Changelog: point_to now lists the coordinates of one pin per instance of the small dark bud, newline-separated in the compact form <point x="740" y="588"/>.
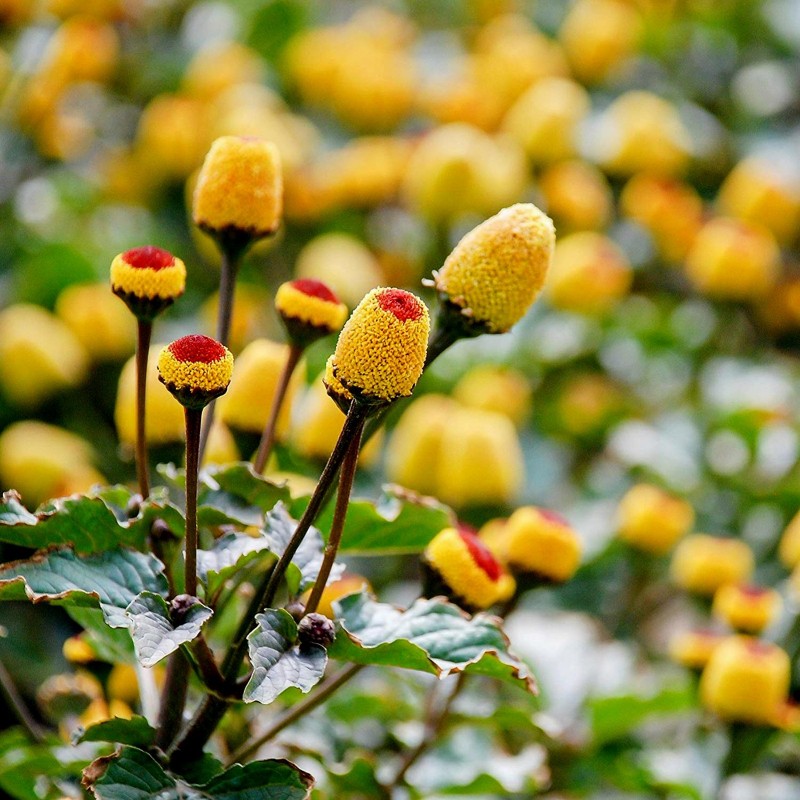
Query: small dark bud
<point x="179" y="607"/>
<point x="134" y="506"/>
<point x="160" y="531"/>
<point x="315" y="629"/>
<point x="297" y="610"/>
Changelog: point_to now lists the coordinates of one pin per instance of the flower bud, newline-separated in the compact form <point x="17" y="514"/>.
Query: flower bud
<point x="239" y="192"/>
<point x="499" y="389"/>
<point x="497" y="270"/>
<point x="748" y="609"/>
<point x="702" y="563"/>
<point x="577" y="196"/>
<point x="348" y="584"/>
<point x="315" y="629"/>
<point x="459" y="565"/>
<point x="693" y="649"/>
<point x="148" y="279"/>
<point x="77" y="650"/>
<point x="651" y="520"/>
<point x="746" y="680"/>
<point x="195" y="369"/>
<point x="309" y="310"/>
<point x="381" y="350"/>
<point x="789" y="547"/>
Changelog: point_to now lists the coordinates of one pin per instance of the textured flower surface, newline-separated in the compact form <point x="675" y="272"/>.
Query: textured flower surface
<point x="381" y="350"/>
<point x="148" y="273"/>
<point x="311" y="303"/>
<point x="498" y="269"/>
<point x="196" y="369"/>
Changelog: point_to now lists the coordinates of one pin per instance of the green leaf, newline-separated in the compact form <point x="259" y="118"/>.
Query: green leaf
<point x="135" y="731"/>
<point x="278" y="662"/>
<point x="399" y="523"/>
<point x="432" y="636"/>
<point x="279" y="528"/>
<point x="132" y="774"/>
<point x="111" y="580"/>
<point x="112" y="645"/>
<point x="13" y="512"/>
<point x="154" y="633"/>
<point x="230" y="553"/>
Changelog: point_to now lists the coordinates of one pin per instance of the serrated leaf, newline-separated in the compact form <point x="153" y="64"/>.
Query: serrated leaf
<point x="432" y="636"/>
<point x="277" y="661"/>
<point x="154" y="634"/>
<point x="230" y="553"/>
<point x="399" y="523"/>
<point x="110" y="579"/>
<point x="279" y="528"/>
<point x="135" y="731"/>
<point x="132" y="774"/>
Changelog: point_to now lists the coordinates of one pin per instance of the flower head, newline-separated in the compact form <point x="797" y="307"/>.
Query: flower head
<point x="693" y="649"/>
<point x="196" y="369"/>
<point x="239" y="189"/>
<point x="148" y="279"/>
<point x="652" y="520"/>
<point x="461" y="566"/>
<point x="381" y="350"/>
<point x="497" y="270"/>
<point x="702" y="563"/>
<point x="748" y="609"/>
<point x="309" y="309"/>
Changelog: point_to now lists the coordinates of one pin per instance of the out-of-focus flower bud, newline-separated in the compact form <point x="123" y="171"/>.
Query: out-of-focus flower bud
<point x="789" y="547"/>
<point x="68" y="694"/>
<point x="221" y="446"/>
<point x="77" y="650"/>
<point x="577" y="196"/>
<point x="652" y="520"/>
<point x="702" y="563"/>
<point x="83" y="49"/>
<point x="348" y="584"/>
<point x="219" y="66"/>
<point x="693" y="649"/>
<point x="196" y="369"/>
<point x="495" y="388"/>
<point x="748" y="609"/>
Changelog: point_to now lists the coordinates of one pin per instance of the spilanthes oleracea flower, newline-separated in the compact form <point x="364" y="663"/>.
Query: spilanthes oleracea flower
<point x="309" y="310"/>
<point x="239" y="190"/>
<point x="497" y="270"/>
<point x="458" y="564"/>
<point x="693" y="649"/>
<point x="196" y="369"/>
<point x="381" y="350"/>
<point x="652" y="520"/>
<point x="746" y="608"/>
<point x="148" y="279"/>
<point x="702" y="563"/>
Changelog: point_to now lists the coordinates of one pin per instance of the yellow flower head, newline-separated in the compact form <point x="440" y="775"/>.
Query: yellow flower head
<point x="746" y="680"/>
<point x="462" y="567"/>
<point x="381" y="350"/>
<point x="497" y="270"/>
<point x="748" y="609"/>
<point x="500" y="389"/>
<point x="349" y="583"/>
<point x="540" y="543"/>
<point x="148" y="279"/>
<point x="309" y="310"/>
<point x="196" y="369"/>
<point x="239" y="189"/>
<point x="652" y="520"/>
<point x="77" y="650"/>
<point x="693" y="649"/>
<point x="789" y="547"/>
<point x="702" y="563"/>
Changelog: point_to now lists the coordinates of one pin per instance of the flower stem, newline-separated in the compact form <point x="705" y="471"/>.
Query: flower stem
<point x="144" y="333"/>
<point x="193" y="422"/>
<point x="17" y="705"/>
<point x="346" y="477"/>
<point x="268" y="436"/>
<point x="173" y="698"/>
<point x="323" y="691"/>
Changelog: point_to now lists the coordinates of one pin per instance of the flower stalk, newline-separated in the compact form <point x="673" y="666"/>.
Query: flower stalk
<point x="144" y="334"/>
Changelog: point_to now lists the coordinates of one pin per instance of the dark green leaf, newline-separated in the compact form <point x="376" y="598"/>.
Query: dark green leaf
<point x="230" y="553"/>
<point x="261" y="780"/>
<point x="431" y="636"/>
<point x="400" y="522"/>
<point x="110" y="579"/>
<point x="154" y="633"/>
<point x="278" y="662"/>
<point x="135" y="731"/>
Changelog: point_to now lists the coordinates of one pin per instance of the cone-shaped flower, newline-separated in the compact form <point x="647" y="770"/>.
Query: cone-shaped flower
<point x="748" y="609"/>
<point x="148" y="279"/>
<point x="196" y="369"/>
<point x="381" y="350"/>
<point x="652" y="520"/>
<point x="459" y="565"/>
<point x="309" y="310"/>
<point x="239" y="190"/>
<point x="702" y="563"/>
<point x="497" y="270"/>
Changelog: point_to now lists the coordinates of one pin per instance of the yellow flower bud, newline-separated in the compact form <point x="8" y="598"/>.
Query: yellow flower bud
<point x="541" y="543"/>
<point x="309" y="309"/>
<point x="748" y="609"/>
<point x="247" y="403"/>
<point x="733" y="260"/>
<point x="220" y="66"/>
<point x="221" y="447"/>
<point x="651" y="520"/>
<point x="466" y="570"/>
<point x="240" y="189"/>
<point x="77" y="650"/>
<point x="83" y="49"/>
<point x="39" y="355"/>
<point x="164" y="420"/>
<point x="348" y="584"/>
<point x="746" y="680"/>
<point x="702" y="563"/>
<point x="381" y="350"/>
<point x="755" y="191"/>
<point x="195" y="369"/>
<point x="148" y="279"/>
<point x="38" y="459"/>
<point x="497" y="270"/>
<point x="693" y="649"/>
<point x="123" y="684"/>
<point x="590" y="274"/>
<point x="494" y="388"/>
<point x="588" y="403"/>
<point x="577" y="196"/>
<point x="480" y="460"/>
<point x="789" y="547"/>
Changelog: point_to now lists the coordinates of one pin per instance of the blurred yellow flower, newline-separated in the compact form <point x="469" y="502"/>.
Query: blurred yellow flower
<point x="702" y="563"/>
<point x="652" y="520"/>
<point x="496" y="388"/>
<point x="746" y="608"/>
<point x="693" y="649"/>
<point x="577" y="196"/>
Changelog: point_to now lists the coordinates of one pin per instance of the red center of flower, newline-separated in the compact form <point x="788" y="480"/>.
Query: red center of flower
<point x="752" y="592"/>
<point x="553" y="516"/>
<point x="314" y="288"/>
<point x="481" y="554"/>
<point x="197" y="348"/>
<point x="758" y="648"/>
<point x="400" y="303"/>
<point x="149" y="257"/>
